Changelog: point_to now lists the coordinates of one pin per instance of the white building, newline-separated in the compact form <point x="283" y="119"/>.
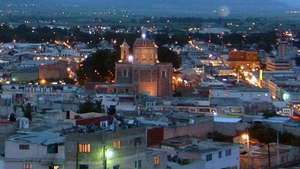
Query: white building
<point x="245" y="94"/>
<point x="34" y="150"/>
<point x="187" y="152"/>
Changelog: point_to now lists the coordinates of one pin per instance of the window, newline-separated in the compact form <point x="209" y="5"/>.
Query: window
<point x="27" y="166"/>
<point x="103" y="124"/>
<point x="116" y="167"/>
<point x="84" y="148"/>
<point x="52" y="149"/>
<point x="164" y="74"/>
<point x="125" y="73"/>
<point x="117" y="144"/>
<point x="228" y="152"/>
<point x="24" y="147"/>
<point x="137" y="141"/>
<point x="83" y="166"/>
<point x="156" y="160"/>
<point x="138" y="164"/>
<point x="54" y="167"/>
<point x="209" y="157"/>
<point x="220" y="154"/>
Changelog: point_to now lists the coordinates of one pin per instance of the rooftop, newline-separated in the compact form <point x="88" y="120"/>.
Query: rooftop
<point x="144" y="42"/>
<point x="42" y="138"/>
<point x="195" y="145"/>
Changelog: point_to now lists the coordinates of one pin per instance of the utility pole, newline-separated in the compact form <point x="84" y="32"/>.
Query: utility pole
<point x="104" y="157"/>
<point x="77" y="146"/>
<point x="269" y="156"/>
<point x="278" y="146"/>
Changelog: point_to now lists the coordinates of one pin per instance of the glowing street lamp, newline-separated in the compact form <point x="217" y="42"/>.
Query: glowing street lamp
<point x="107" y="154"/>
<point x="43" y="81"/>
<point x="246" y="138"/>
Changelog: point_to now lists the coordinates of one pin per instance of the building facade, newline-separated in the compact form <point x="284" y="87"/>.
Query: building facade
<point x="143" y="70"/>
<point x="42" y="150"/>
<point x="126" y="149"/>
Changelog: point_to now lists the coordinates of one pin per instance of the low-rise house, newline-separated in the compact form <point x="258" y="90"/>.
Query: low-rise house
<point x="42" y="150"/>
<point x="124" y="149"/>
<point x="261" y="157"/>
<point x="190" y="152"/>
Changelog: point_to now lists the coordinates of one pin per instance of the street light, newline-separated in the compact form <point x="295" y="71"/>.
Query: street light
<point x="245" y="137"/>
<point x="107" y="154"/>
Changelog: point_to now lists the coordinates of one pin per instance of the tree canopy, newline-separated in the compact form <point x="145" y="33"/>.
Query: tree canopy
<point x="89" y="106"/>
<point x="99" y="67"/>
<point x="165" y="55"/>
<point x="265" y="134"/>
<point x="27" y="110"/>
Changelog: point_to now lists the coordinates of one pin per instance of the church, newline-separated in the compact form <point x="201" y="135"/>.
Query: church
<point x="140" y="70"/>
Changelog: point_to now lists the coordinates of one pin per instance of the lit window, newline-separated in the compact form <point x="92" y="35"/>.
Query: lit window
<point x="24" y="147"/>
<point x="54" y="167"/>
<point x="27" y="166"/>
<point x="156" y="160"/>
<point x="84" y="148"/>
<point x="117" y="144"/>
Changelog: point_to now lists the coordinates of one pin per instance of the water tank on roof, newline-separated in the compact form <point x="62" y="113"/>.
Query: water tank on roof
<point x="191" y="121"/>
<point x="23" y="123"/>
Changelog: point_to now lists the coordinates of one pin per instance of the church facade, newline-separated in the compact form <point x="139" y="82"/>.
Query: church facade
<point x="140" y="69"/>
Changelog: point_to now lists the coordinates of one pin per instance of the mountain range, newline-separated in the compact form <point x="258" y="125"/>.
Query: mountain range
<point x="157" y="7"/>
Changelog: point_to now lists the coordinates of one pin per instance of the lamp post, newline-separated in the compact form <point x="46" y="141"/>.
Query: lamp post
<point x="246" y="137"/>
<point x="107" y="154"/>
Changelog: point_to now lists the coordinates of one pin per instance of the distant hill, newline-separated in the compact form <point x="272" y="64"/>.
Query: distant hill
<point x="156" y="7"/>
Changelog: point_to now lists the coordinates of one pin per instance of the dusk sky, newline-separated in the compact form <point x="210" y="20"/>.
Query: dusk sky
<point x="157" y="7"/>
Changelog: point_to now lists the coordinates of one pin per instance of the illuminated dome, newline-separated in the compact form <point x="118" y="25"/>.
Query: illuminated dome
<point x="144" y="42"/>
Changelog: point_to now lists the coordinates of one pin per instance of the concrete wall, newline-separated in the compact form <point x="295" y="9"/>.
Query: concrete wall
<point x="197" y="130"/>
<point x="36" y="155"/>
<point x="232" y="160"/>
<point x="125" y="156"/>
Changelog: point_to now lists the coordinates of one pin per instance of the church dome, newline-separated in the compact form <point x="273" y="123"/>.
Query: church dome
<point x="143" y="42"/>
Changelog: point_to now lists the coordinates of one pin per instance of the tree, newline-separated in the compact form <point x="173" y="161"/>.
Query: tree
<point x="262" y="133"/>
<point x="89" y="106"/>
<point x="100" y="67"/>
<point x="12" y="117"/>
<point x="165" y="55"/>
<point x="216" y="136"/>
<point x="270" y="113"/>
<point x="27" y="110"/>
